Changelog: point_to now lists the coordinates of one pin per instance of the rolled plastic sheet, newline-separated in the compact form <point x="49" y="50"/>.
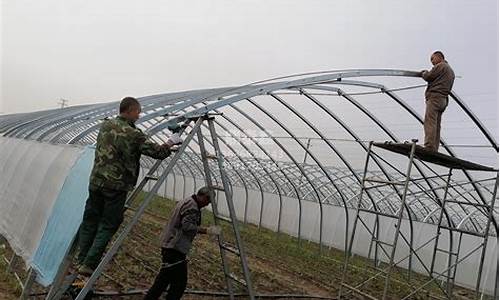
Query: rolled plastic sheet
<point x="63" y="224"/>
<point x="31" y="178"/>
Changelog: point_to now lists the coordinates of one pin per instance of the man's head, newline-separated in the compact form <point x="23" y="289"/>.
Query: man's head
<point x="130" y="108"/>
<point x="204" y="196"/>
<point x="437" y="57"/>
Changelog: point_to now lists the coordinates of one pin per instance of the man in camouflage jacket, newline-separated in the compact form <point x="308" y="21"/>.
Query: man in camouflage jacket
<point x="119" y="147"/>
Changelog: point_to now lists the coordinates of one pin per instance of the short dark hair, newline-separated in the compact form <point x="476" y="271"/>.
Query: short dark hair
<point x="127" y="103"/>
<point x="439" y="53"/>
<point x="206" y="191"/>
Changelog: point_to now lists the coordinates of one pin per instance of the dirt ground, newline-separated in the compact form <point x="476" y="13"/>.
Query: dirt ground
<point x="278" y="263"/>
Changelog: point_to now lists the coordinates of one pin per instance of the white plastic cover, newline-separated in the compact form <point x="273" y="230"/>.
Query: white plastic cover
<point x="31" y="177"/>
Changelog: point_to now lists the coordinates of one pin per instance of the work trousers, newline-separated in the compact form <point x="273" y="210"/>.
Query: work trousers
<point x="434" y="108"/>
<point x="173" y="274"/>
<point x="102" y="217"/>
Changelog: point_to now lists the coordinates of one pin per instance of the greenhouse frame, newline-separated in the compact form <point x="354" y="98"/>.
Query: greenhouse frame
<point x="296" y="152"/>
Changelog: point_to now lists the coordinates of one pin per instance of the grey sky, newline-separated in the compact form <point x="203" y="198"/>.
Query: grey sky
<point x="94" y="51"/>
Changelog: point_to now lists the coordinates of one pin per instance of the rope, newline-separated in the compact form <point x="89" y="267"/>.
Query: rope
<point x="167" y="265"/>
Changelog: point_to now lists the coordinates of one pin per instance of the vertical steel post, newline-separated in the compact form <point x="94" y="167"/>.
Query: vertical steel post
<point x="28" y="284"/>
<point x="165" y="190"/>
<point x="438" y="234"/>
<point x="305" y="153"/>
<point x="351" y="242"/>
<point x="400" y="216"/>
<point x="232" y="212"/>
<point x="449" y="284"/>
<point x="12" y="261"/>
<point x="143" y="182"/>
<point x="209" y="183"/>
<point x="175" y="183"/>
<point x="486" y="236"/>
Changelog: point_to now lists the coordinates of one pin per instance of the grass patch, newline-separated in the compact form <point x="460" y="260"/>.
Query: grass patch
<point x="9" y="288"/>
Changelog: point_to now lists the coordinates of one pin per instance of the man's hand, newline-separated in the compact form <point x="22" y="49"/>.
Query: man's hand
<point x="174" y="139"/>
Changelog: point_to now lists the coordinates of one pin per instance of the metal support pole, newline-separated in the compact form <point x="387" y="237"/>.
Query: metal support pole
<point x="495" y="294"/>
<point x="183" y="186"/>
<point x="28" y="284"/>
<point x="400" y="216"/>
<point x="438" y="234"/>
<point x="12" y="261"/>
<point x="305" y="153"/>
<point x="141" y="185"/>
<point x="165" y="190"/>
<point x="209" y="183"/>
<point x="175" y="183"/>
<point x="441" y="274"/>
<point x="351" y="242"/>
<point x="232" y="211"/>
<point x="486" y="235"/>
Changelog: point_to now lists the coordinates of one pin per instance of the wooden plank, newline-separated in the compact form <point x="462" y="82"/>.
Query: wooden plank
<point x="434" y="157"/>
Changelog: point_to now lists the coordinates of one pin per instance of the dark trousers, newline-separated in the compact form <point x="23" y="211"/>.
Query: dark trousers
<point x="101" y="219"/>
<point x="174" y="275"/>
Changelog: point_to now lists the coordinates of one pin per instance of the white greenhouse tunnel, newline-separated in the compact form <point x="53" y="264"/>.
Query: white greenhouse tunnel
<point x="34" y="173"/>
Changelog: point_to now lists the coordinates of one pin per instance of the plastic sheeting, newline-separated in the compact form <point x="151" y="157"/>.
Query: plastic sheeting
<point x="64" y="221"/>
<point x="32" y="175"/>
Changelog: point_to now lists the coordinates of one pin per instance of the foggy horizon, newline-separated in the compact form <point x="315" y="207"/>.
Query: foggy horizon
<point x="91" y="52"/>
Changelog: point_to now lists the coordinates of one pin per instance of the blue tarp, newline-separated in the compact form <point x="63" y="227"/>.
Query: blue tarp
<point x="64" y="221"/>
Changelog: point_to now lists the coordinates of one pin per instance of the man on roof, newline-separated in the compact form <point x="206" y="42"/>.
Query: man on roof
<point x="439" y="83"/>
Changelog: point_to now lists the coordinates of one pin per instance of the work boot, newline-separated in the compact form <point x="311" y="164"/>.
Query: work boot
<point x="85" y="270"/>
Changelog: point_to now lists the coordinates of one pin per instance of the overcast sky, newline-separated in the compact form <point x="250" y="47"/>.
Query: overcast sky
<point x="96" y="51"/>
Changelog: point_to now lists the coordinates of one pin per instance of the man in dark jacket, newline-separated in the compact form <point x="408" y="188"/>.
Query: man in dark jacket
<point x="440" y="81"/>
<point x="119" y="147"/>
<point x="176" y="241"/>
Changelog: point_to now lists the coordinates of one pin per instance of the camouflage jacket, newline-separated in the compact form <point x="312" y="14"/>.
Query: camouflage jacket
<point x="118" y="151"/>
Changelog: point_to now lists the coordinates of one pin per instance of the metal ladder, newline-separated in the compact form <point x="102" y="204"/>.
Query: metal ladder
<point x="453" y="255"/>
<point x="387" y="247"/>
<point x="449" y="274"/>
<point x="62" y="282"/>
<point x="120" y="237"/>
<point x="224" y="247"/>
